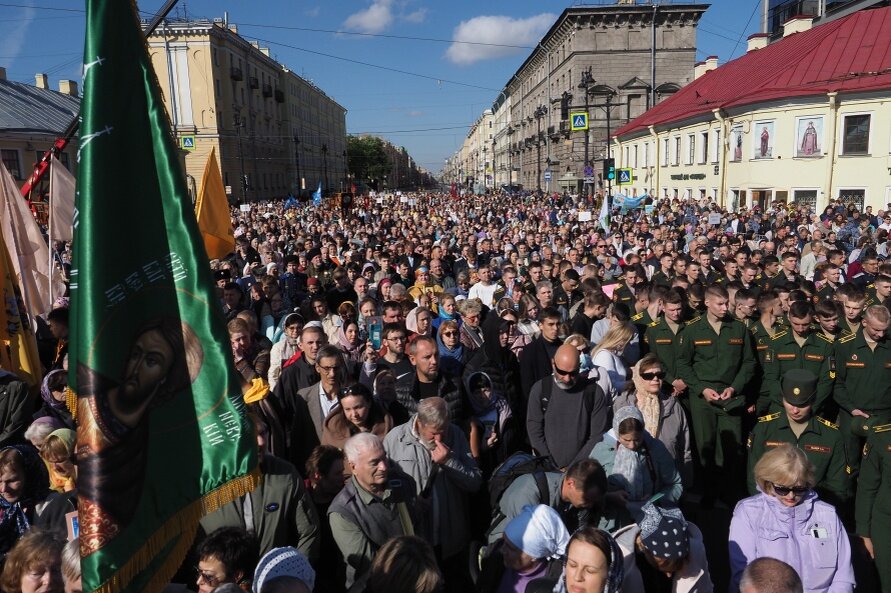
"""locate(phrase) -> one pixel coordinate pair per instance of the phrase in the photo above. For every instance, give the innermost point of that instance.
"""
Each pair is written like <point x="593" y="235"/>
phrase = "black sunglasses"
<point x="569" y="373"/>
<point x="652" y="375"/>
<point x="785" y="490"/>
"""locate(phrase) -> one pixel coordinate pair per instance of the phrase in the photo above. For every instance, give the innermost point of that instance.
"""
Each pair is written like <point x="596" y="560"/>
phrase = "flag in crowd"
<point x="18" y="347"/>
<point x="317" y="195"/>
<point x="27" y="248"/>
<point x="162" y="438"/>
<point x="212" y="211"/>
<point x="61" y="212"/>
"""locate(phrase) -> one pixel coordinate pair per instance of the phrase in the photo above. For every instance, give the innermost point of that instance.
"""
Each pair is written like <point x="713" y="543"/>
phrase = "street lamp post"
<point x="539" y="113"/>
<point x="325" y="163"/>
<point x="510" y="160"/>
<point x="297" y="162"/>
<point x="586" y="82"/>
<point x="238" y="125"/>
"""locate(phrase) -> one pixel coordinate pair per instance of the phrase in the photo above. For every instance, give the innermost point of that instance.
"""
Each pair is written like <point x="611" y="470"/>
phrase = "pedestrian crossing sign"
<point x="625" y="176"/>
<point x="187" y="142"/>
<point x="579" y="121"/>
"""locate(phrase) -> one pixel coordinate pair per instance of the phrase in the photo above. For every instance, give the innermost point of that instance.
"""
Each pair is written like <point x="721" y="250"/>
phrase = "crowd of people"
<point x="498" y="394"/>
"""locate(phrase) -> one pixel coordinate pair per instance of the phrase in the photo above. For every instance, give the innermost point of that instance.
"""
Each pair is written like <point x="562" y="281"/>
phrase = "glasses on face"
<point x="396" y="339"/>
<point x="449" y="334"/>
<point x="209" y="579"/>
<point x="649" y="376"/>
<point x="329" y="369"/>
<point x="571" y="373"/>
<point x="785" y="490"/>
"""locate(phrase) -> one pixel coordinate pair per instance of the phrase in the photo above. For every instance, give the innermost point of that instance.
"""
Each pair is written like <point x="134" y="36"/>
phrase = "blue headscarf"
<point x="16" y="517"/>
<point x="450" y="361"/>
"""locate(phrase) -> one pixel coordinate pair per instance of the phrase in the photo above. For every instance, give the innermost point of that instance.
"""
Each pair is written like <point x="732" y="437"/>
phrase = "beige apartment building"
<point x="268" y="125"/>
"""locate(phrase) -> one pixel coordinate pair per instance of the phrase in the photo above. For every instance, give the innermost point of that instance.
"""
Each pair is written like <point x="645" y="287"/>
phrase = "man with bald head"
<point x="568" y="412"/>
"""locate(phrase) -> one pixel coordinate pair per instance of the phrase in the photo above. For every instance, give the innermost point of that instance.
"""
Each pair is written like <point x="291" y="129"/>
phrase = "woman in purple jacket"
<point x="786" y="521"/>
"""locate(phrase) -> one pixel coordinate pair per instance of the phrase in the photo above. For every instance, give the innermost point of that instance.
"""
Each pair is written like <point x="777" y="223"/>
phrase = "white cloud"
<point x="418" y="16"/>
<point x="314" y="11"/>
<point x="374" y="19"/>
<point x="14" y="42"/>
<point x="502" y="30"/>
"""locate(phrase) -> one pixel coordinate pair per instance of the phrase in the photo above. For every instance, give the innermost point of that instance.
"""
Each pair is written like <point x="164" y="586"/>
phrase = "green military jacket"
<point x="863" y="376"/>
<point x="623" y="294"/>
<point x="664" y="343"/>
<point x="762" y="337"/>
<point x="826" y="292"/>
<point x="716" y="360"/>
<point x="660" y="277"/>
<point x="873" y="506"/>
<point x="821" y="441"/>
<point x="783" y="353"/>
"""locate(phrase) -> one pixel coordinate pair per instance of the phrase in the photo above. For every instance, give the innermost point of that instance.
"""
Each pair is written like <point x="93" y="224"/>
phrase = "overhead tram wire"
<point x="743" y="32"/>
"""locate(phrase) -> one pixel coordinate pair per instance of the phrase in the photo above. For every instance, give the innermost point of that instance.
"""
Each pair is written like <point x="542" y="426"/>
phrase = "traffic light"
<point x="564" y="106"/>
<point x="609" y="169"/>
<point x="244" y="182"/>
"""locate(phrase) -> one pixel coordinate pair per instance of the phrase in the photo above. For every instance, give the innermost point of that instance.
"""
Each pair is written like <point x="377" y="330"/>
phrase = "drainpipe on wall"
<point x="722" y="158"/>
<point x="655" y="179"/>
<point x="832" y="152"/>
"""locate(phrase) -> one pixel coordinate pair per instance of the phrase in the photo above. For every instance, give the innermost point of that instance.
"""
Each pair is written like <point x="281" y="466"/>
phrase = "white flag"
<point x="27" y="247"/>
<point x="61" y="211"/>
<point x="604" y="216"/>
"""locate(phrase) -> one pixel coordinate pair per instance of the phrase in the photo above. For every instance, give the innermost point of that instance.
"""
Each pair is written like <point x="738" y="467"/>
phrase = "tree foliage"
<point x="367" y="158"/>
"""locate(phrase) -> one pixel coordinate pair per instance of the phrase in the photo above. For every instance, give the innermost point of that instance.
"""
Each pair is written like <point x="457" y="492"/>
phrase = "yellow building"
<point x="268" y="125"/>
<point x="805" y="119"/>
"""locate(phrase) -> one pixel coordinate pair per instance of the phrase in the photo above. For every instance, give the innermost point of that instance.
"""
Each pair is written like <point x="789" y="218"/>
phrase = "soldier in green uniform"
<point x="664" y="274"/>
<point x="716" y="359"/>
<point x="819" y="438"/>
<point x="771" y="271"/>
<point x="788" y="272"/>
<point x="662" y="337"/>
<point x="872" y="508"/>
<point x="853" y="302"/>
<point x="625" y="291"/>
<point x="798" y="347"/>
<point x="832" y="276"/>
<point x="863" y="376"/>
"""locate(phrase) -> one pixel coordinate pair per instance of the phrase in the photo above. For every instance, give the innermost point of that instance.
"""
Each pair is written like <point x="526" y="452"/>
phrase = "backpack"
<point x="519" y="464"/>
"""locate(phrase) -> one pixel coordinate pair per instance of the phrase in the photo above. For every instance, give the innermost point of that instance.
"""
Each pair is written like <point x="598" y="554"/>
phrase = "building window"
<point x="855" y="197"/>
<point x="10" y="159"/>
<point x="665" y="152"/>
<point x="635" y="157"/>
<point x="216" y="58"/>
<point x="716" y="147"/>
<point x="805" y="197"/>
<point x="646" y="154"/>
<point x="703" y="148"/>
<point x="216" y="87"/>
<point x="856" y="134"/>
<point x="677" y="151"/>
<point x="691" y="148"/>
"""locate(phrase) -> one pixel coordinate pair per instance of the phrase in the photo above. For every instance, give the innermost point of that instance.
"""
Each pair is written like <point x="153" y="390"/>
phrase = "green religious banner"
<point x="162" y="434"/>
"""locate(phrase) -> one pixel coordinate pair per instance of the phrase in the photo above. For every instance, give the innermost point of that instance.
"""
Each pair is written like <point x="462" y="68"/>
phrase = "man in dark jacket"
<point x="535" y="359"/>
<point x="567" y="414"/>
<point x="427" y="381"/>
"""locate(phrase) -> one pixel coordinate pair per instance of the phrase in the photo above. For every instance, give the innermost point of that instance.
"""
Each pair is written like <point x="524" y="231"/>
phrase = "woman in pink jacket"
<point x="786" y="521"/>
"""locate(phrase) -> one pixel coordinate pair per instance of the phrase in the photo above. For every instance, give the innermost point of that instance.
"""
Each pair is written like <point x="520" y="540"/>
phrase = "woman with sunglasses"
<point x="664" y="418"/>
<point x="786" y="521"/>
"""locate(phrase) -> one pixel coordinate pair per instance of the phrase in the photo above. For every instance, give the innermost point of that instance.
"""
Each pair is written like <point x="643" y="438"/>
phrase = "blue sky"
<point x="428" y="114"/>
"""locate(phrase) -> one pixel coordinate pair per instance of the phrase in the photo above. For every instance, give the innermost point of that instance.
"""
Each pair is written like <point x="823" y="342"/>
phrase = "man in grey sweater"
<point x="567" y="413"/>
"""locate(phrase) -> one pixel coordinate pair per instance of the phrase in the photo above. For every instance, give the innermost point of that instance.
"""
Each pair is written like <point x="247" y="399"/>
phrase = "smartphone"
<point x="489" y="428"/>
<point x="375" y="331"/>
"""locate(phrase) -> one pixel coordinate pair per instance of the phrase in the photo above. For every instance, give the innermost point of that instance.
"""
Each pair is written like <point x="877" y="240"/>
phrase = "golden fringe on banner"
<point x="183" y="523"/>
<point x="71" y="402"/>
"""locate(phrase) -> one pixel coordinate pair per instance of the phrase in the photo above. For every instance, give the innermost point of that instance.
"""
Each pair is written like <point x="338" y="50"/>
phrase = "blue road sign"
<point x="625" y="176"/>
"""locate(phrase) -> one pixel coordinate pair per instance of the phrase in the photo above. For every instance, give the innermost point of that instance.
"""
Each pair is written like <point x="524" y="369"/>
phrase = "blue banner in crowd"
<point x="317" y="196"/>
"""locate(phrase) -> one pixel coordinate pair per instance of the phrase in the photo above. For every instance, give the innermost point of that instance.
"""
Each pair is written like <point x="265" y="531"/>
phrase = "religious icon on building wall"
<point x="736" y="140"/>
<point x="809" y="136"/>
<point x="763" y="139"/>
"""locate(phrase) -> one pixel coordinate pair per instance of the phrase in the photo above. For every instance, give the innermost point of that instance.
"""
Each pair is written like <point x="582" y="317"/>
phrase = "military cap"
<point x="799" y="387"/>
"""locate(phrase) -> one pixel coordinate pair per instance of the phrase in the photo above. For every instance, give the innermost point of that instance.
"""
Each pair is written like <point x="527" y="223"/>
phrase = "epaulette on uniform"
<point x="826" y="422"/>
<point x="694" y="320"/>
<point x="779" y="335"/>
<point x="769" y="417"/>
<point x="637" y="317"/>
<point x="882" y="428"/>
<point x="826" y="339"/>
<point x="847" y="339"/>
<point x="654" y="323"/>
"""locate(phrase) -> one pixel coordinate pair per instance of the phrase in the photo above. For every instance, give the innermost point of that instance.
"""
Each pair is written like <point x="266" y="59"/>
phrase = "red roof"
<point x="846" y="55"/>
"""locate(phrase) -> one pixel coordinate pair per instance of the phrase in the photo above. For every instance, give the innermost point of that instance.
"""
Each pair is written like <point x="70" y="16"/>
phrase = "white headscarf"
<point x="539" y="532"/>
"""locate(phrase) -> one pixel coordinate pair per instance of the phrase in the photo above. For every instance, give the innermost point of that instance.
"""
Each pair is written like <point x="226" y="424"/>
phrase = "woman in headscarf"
<point x="285" y="345"/>
<point x="448" y="310"/>
<point x="663" y="552"/>
<point x="496" y="360"/>
<point x="58" y="455"/>
<point x="25" y="485"/>
<point x="349" y="341"/>
<point x="664" y="418"/>
<point x="533" y="546"/>
<point x="492" y="427"/>
<point x="638" y="467"/>
<point x="452" y="354"/>
<point x="419" y="323"/>
<point x="52" y="392"/>
<point x="593" y="565"/>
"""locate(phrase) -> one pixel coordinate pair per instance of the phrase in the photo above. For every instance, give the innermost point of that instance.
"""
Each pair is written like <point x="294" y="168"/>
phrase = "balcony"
<point x="235" y="73"/>
<point x="254" y="82"/>
<point x="267" y="90"/>
<point x="279" y="96"/>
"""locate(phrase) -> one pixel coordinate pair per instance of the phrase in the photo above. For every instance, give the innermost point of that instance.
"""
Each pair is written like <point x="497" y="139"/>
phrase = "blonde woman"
<point x="608" y="356"/>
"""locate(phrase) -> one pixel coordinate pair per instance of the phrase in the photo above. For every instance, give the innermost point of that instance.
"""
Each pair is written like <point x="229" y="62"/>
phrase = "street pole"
<point x="510" y="161"/>
<point x="609" y="150"/>
<point x="297" y="162"/>
<point x="238" y="125"/>
<point x="325" y="163"/>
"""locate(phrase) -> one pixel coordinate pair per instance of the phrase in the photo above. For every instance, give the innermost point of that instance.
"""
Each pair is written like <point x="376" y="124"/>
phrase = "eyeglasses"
<point x="601" y="247"/>
<point x="209" y="579"/>
<point x="785" y="490"/>
<point x="653" y="375"/>
<point x="449" y="334"/>
<point x="330" y="369"/>
<point x="396" y="339"/>
<point x="571" y="373"/>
